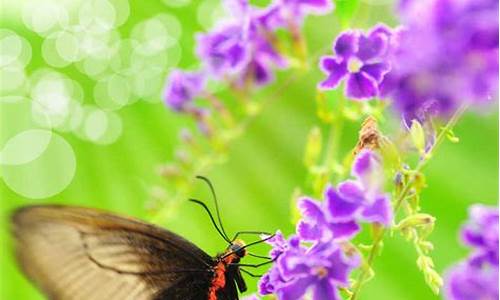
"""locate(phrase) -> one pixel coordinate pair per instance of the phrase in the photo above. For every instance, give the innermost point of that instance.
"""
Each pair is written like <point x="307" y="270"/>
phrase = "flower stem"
<point x="334" y="136"/>
<point x="401" y="197"/>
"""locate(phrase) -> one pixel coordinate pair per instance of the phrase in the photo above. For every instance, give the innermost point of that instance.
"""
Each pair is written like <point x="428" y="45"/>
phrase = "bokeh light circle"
<point x="13" y="78"/>
<point x="113" y="92"/>
<point x="50" y="53"/>
<point x="13" y="49"/>
<point x="46" y="175"/>
<point x="122" y="10"/>
<point x="209" y="11"/>
<point x="54" y="97"/>
<point x="44" y="16"/>
<point x="99" y="126"/>
<point x="67" y="46"/>
<point x="97" y="16"/>
<point x="25" y="147"/>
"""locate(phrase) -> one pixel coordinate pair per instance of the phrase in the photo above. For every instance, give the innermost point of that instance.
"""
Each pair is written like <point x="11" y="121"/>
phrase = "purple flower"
<point x="477" y="276"/>
<point x="313" y="261"/>
<point x="240" y="48"/>
<point x="466" y="282"/>
<point x="318" y="223"/>
<point x="181" y="88"/>
<point x="359" y="58"/>
<point x="263" y="59"/>
<point x="319" y="269"/>
<point x="481" y="233"/>
<point x="224" y="50"/>
<point x="360" y="199"/>
<point x="447" y="56"/>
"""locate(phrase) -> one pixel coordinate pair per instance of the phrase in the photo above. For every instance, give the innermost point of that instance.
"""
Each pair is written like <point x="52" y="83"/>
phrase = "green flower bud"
<point x="418" y="136"/>
<point x="416" y="220"/>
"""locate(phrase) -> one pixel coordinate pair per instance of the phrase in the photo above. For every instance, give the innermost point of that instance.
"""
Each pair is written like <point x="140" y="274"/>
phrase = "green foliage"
<point x="345" y="10"/>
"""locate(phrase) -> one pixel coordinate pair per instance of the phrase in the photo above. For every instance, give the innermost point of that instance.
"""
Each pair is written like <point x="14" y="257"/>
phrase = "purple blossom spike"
<point x="447" y="56"/>
<point x="360" y="59"/>
<point x="318" y="224"/>
<point x="477" y="276"/>
<point x="319" y="269"/>
<point x="181" y="88"/>
<point x="313" y="262"/>
<point x="240" y="49"/>
<point x="360" y="199"/>
<point x="223" y="51"/>
<point x="363" y="197"/>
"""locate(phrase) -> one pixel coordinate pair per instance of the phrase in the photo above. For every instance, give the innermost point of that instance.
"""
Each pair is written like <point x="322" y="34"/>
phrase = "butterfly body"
<point x="81" y="253"/>
<point x="225" y="270"/>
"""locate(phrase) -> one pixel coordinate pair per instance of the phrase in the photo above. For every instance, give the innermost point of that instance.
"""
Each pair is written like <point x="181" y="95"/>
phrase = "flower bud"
<point x="416" y="220"/>
<point x="418" y="136"/>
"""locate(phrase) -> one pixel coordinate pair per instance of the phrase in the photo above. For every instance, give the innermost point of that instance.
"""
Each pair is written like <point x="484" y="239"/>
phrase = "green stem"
<point x="334" y="137"/>
<point x="401" y="197"/>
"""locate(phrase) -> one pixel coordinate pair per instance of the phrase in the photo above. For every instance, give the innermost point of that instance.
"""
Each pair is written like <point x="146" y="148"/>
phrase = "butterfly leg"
<point x="259" y="256"/>
<point x="251" y="274"/>
<point x="253" y="265"/>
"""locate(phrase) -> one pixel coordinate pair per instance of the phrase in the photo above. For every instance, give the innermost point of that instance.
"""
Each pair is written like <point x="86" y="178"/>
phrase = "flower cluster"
<point x="477" y="277"/>
<point x="446" y="57"/>
<point x="362" y="59"/>
<point x="319" y="258"/>
<point x="241" y="49"/>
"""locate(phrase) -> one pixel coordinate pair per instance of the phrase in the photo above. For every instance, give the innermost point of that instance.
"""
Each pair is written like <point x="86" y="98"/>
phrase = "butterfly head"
<point x="238" y="247"/>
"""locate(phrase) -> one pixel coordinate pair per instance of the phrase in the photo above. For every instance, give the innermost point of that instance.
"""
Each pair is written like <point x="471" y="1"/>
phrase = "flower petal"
<point x="351" y="190"/>
<point x="308" y="231"/>
<point x="311" y="210"/>
<point x="340" y="268"/>
<point x="345" y="230"/>
<point x="361" y="86"/>
<point x="380" y="211"/>
<point x="325" y="289"/>
<point x="292" y="265"/>
<point x="335" y="71"/>
<point x="295" y="289"/>
<point x="346" y="44"/>
<point x="339" y="208"/>
<point x="373" y="46"/>
<point x="364" y="164"/>
<point x="261" y="73"/>
<point x="376" y="70"/>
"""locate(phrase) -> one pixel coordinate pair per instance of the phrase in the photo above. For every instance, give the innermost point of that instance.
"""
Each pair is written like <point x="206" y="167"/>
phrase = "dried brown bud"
<point x="369" y="136"/>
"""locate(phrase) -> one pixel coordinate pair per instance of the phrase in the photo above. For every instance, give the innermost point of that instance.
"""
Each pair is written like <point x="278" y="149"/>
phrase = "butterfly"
<point x="83" y="253"/>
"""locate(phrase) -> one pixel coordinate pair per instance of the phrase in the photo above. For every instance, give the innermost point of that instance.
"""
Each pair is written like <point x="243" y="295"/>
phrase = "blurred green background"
<point x="264" y="166"/>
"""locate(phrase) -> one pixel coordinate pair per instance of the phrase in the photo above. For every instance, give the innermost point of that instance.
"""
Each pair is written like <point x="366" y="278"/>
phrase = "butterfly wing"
<point x="80" y="253"/>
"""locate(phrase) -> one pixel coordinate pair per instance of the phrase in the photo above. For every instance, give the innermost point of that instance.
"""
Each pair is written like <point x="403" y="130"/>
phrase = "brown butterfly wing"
<point x="80" y="253"/>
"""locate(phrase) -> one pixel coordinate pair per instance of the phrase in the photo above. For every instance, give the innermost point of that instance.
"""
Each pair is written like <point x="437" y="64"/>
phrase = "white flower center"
<point x="354" y="65"/>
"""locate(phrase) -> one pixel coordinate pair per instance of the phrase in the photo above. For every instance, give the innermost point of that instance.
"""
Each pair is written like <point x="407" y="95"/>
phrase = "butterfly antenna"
<point x="214" y="196"/>
<point x="211" y="218"/>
